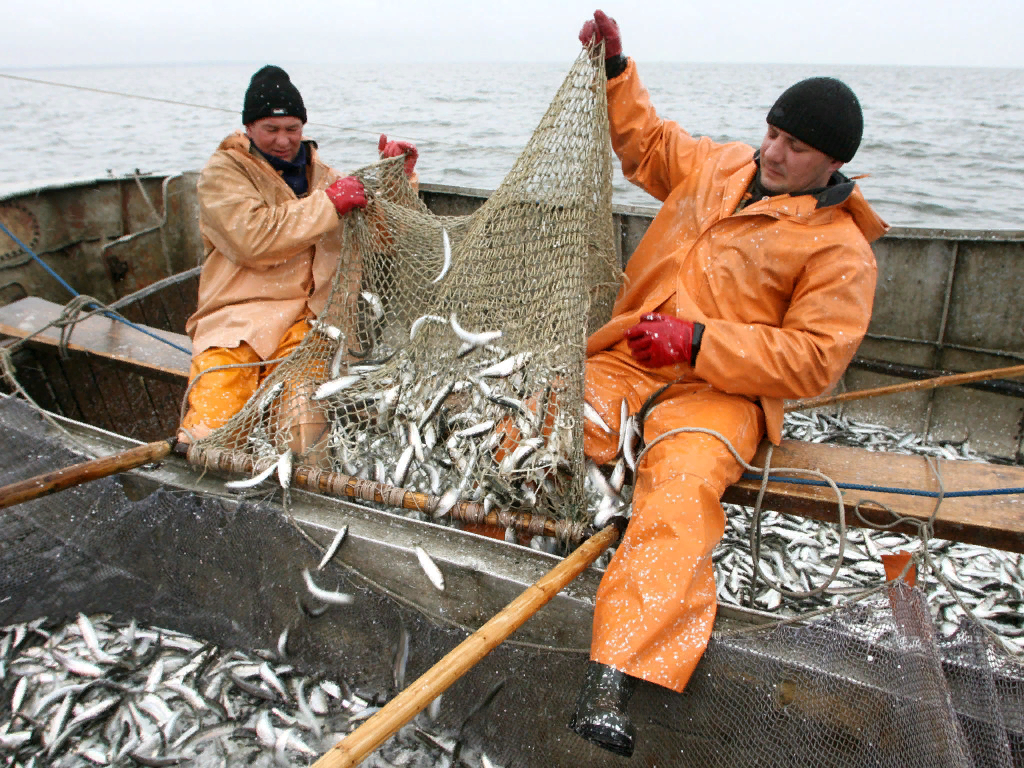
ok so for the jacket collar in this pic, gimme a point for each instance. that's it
(813, 204)
(836, 191)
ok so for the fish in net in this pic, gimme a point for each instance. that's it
(446, 371)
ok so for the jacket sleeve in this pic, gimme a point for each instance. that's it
(251, 231)
(656, 154)
(827, 317)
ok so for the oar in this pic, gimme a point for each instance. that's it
(351, 750)
(59, 479)
(939, 381)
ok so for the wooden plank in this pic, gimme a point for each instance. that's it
(992, 521)
(99, 336)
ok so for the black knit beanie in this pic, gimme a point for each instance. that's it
(822, 112)
(271, 94)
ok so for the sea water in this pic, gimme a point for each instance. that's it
(942, 146)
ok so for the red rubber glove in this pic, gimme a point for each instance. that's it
(346, 194)
(659, 340)
(602, 28)
(395, 148)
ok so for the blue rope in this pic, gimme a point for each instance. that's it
(73, 292)
(883, 489)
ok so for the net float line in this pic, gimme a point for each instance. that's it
(338, 484)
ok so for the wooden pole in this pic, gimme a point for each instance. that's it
(331, 483)
(911, 386)
(58, 480)
(351, 750)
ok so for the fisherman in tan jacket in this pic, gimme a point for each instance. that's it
(269, 212)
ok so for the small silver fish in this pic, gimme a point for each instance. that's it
(477, 429)
(331, 550)
(430, 568)
(334, 386)
(375, 305)
(417, 442)
(623, 416)
(402, 467)
(591, 414)
(330, 331)
(334, 598)
(448, 500)
(476, 339)
(420, 321)
(282, 643)
(401, 659)
(629, 431)
(92, 641)
(252, 481)
(618, 477)
(284, 469)
(506, 367)
(606, 510)
(435, 404)
(446, 243)
(434, 708)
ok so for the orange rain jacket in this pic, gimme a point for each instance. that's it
(269, 254)
(784, 287)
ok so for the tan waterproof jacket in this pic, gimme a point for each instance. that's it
(784, 287)
(269, 254)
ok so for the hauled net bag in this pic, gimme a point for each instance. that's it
(449, 360)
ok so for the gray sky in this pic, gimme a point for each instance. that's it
(54, 33)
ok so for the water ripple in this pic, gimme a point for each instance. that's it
(941, 145)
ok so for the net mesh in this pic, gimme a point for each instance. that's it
(449, 359)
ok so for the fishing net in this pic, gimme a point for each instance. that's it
(866, 685)
(449, 360)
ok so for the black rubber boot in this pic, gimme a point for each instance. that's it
(600, 715)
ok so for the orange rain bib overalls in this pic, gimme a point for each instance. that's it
(784, 288)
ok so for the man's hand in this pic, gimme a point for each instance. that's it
(346, 194)
(659, 340)
(602, 28)
(395, 148)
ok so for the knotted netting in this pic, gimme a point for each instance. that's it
(449, 360)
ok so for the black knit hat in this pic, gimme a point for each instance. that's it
(822, 112)
(271, 94)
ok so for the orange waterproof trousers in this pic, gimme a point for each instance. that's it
(219, 395)
(656, 603)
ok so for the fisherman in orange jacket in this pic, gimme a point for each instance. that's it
(269, 212)
(753, 284)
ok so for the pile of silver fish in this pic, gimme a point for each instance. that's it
(433, 427)
(92, 692)
(799, 554)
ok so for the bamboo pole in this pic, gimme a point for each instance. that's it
(351, 750)
(59, 479)
(951, 380)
